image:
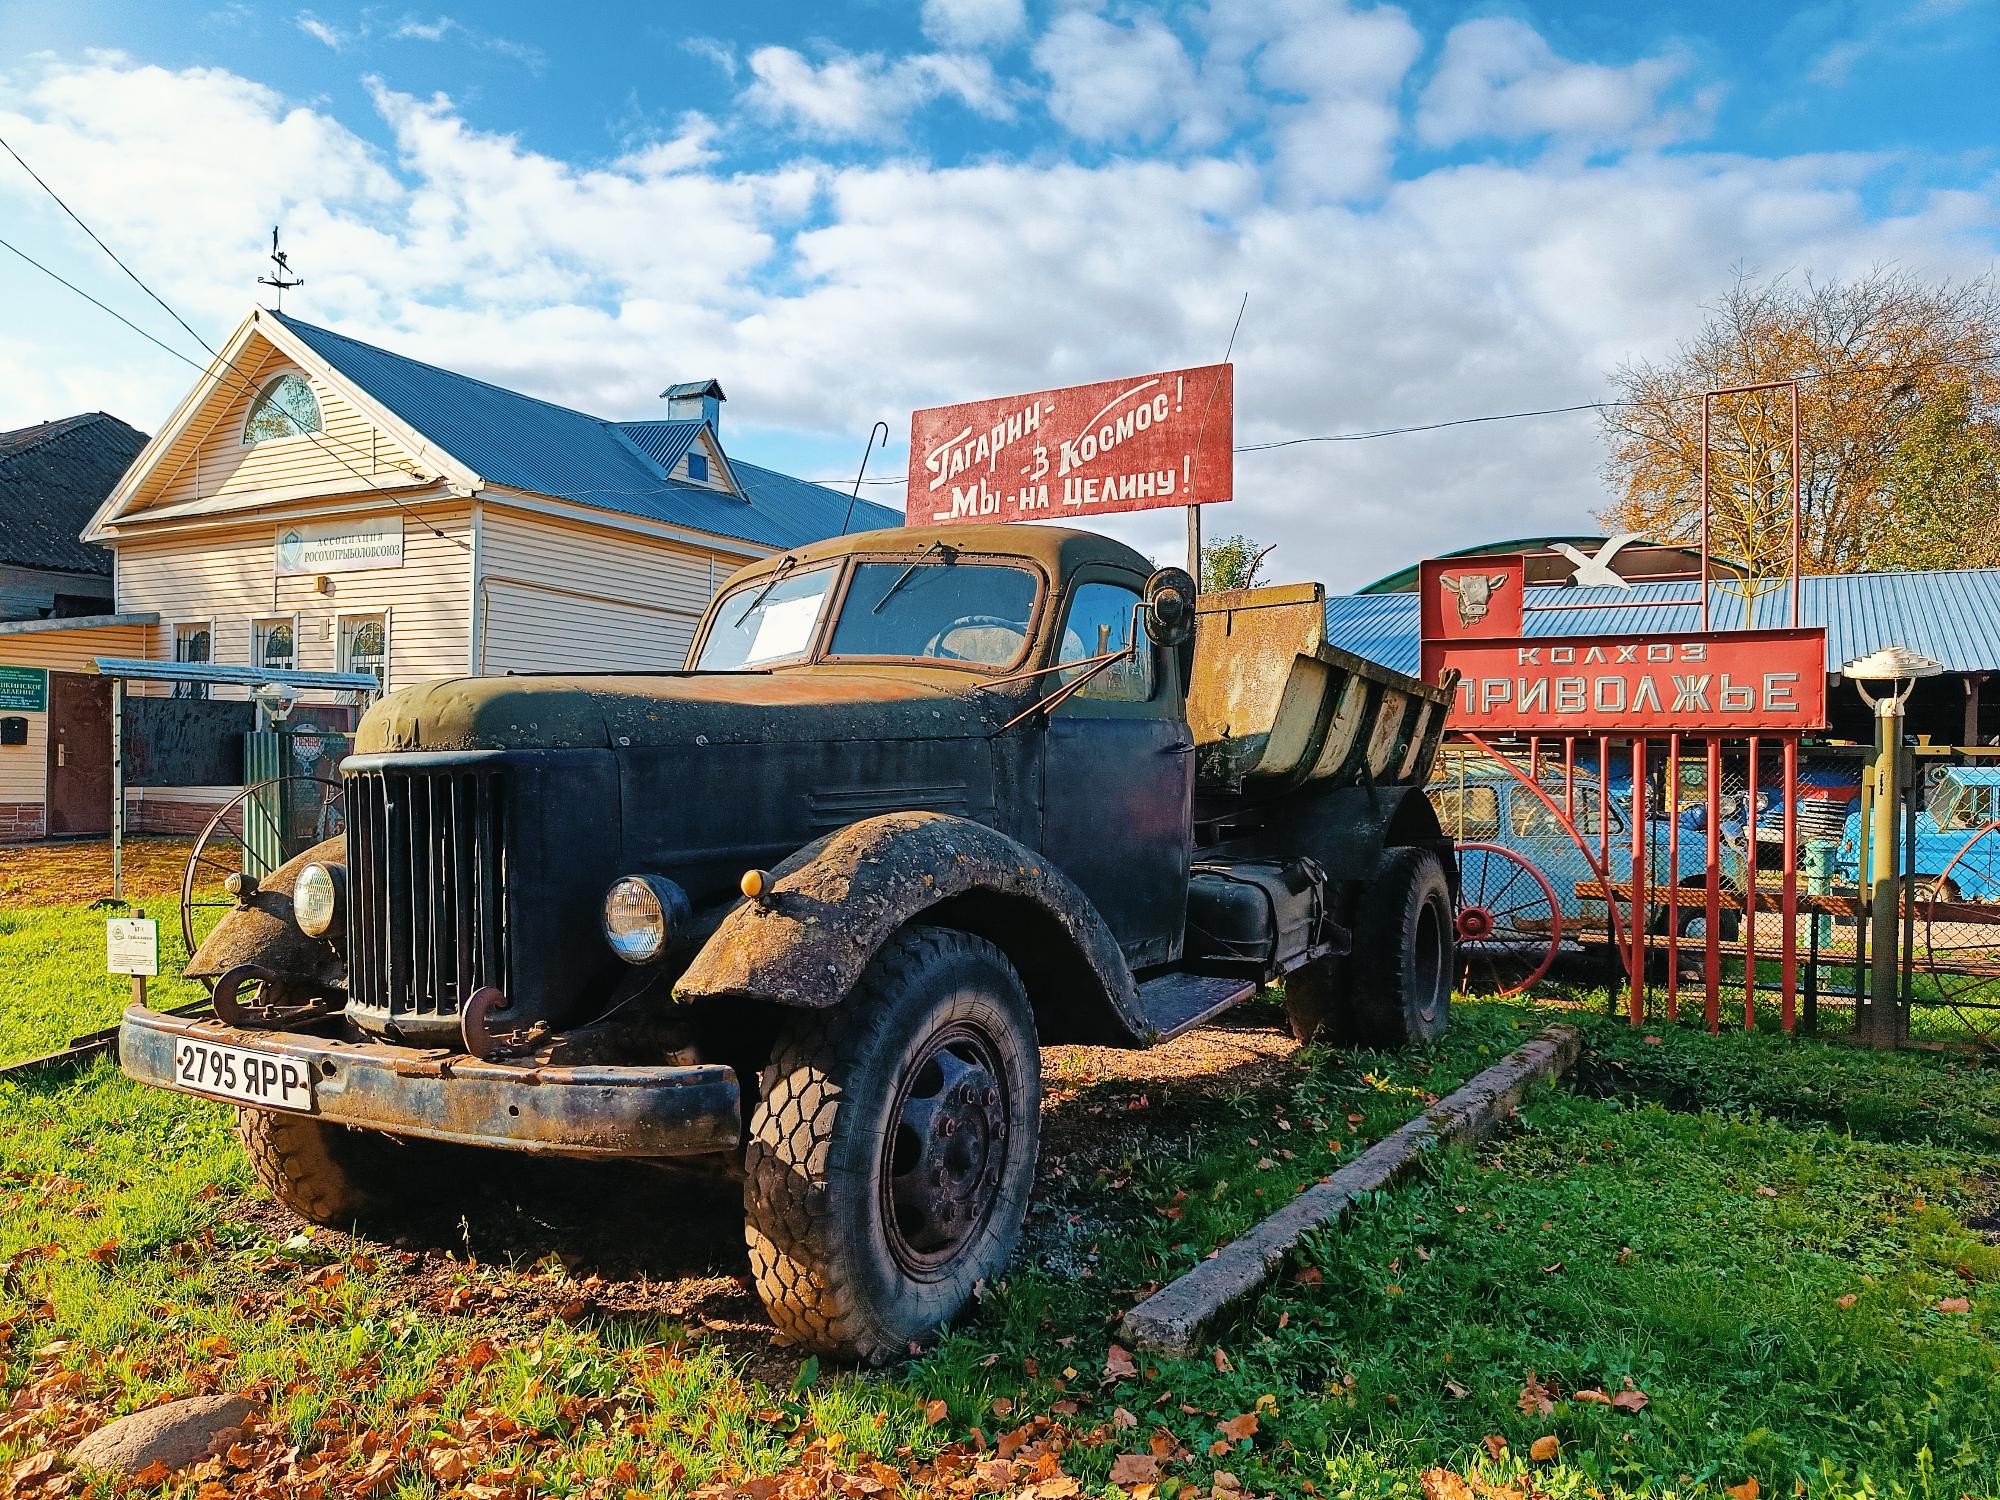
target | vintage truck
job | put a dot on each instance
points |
(921, 802)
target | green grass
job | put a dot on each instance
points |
(1624, 1232)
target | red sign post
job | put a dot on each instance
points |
(1117, 445)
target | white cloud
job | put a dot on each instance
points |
(1114, 82)
(825, 296)
(322, 31)
(712, 50)
(1500, 78)
(973, 23)
(864, 96)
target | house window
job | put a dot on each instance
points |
(193, 643)
(284, 408)
(698, 467)
(1468, 812)
(274, 646)
(364, 646)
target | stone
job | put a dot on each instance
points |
(174, 1434)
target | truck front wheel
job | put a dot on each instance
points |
(892, 1149)
(328, 1174)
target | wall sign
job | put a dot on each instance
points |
(1734, 681)
(340, 546)
(24, 689)
(1116, 445)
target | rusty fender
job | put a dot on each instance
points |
(832, 904)
(262, 930)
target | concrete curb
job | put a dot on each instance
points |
(1176, 1320)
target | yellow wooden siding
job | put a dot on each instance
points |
(24, 769)
(227, 574)
(562, 596)
(209, 458)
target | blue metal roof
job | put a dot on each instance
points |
(1953, 617)
(529, 444)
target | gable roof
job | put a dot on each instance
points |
(53, 476)
(1952, 616)
(525, 443)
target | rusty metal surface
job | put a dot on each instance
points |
(1273, 706)
(551, 1110)
(263, 932)
(831, 905)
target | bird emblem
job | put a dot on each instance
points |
(1594, 570)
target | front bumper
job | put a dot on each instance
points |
(441, 1096)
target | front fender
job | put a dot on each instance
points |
(834, 902)
(262, 930)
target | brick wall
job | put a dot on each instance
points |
(20, 820)
(177, 816)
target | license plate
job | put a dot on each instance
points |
(259, 1078)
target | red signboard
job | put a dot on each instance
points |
(1471, 597)
(1085, 450)
(1735, 681)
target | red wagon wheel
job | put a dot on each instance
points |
(1962, 937)
(1509, 925)
(222, 849)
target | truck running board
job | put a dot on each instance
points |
(1174, 1003)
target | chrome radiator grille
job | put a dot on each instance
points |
(428, 869)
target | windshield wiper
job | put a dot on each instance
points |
(904, 576)
(782, 569)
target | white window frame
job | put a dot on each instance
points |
(271, 378)
(257, 624)
(383, 613)
(174, 629)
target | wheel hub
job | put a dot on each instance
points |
(1474, 923)
(948, 1150)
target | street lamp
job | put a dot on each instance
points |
(1894, 671)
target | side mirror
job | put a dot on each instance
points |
(1170, 607)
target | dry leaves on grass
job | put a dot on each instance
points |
(1954, 1305)
(1545, 1448)
(1118, 1365)
(1631, 1398)
(1239, 1429)
(1749, 1489)
(1536, 1399)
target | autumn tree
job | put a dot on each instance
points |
(1877, 359)
(1944, 482)
(1231, 562)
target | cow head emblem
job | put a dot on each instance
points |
(1474, 593)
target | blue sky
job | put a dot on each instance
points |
(844, 211)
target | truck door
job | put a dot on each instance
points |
(1119, 775)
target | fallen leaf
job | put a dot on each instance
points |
(1749, 1489)
(1545, 1448)
(1444, 1484)
(1631, 1398)
(1239, 1429)
(1123, 1419)
(1954, 1305)
(1847, 1301)
(1594, 1396)
(1767, 1192)
(1135, 1468)
(1002, 1407)
(1308, 1276)
(1118, 1365)
(1224, 1367)
(1536, 1399)
(1496, 1446)
(1222, 1479)
(1456, 1391)
(935, 1412)
(1219, 1448)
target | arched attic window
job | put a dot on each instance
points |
(284, 408)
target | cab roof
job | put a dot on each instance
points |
(1059, 549)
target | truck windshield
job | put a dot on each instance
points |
(948, 611)
(770, 620)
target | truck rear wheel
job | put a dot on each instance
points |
(892, 1150)
(1400, 989)
(328, 1174)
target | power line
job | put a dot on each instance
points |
(318, 437)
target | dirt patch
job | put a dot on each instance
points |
(531, 1241)
(79, 872)
(1983, 1210)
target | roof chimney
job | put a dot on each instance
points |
(696, 400)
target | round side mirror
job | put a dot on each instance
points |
(1170, 607)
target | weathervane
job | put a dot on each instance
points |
(284, 279)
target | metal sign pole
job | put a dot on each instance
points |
(1194, 545)
(1884, 879)
(118, 789)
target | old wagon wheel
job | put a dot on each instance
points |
(1509, 923)
(271, 816)
(1960, 909)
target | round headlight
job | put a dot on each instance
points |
(642, 916)
(316, 898)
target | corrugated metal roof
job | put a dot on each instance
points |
(529, 444)
(1951, 616)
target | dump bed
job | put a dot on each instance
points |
(1273, 706)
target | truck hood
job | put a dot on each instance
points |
(816, 704)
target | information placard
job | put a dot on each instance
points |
(132, 946)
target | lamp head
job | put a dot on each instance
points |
(1898, 667)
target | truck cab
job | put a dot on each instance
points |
(918, 802)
